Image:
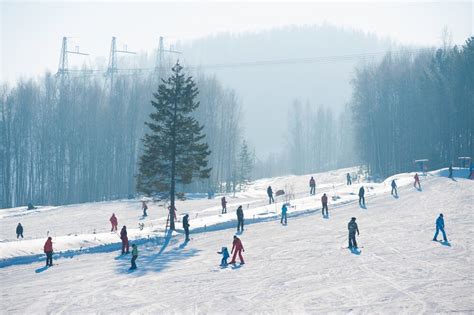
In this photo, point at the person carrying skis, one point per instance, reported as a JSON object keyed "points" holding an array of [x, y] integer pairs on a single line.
{"points": [[440, 227], [349, 179], [394, 188], [312, 186], [134, 257], [237, 248], [124, 238], [417, 181], [114, 222], [48, 250], [240, 219], [324, 201], [270, 195], [353, 228], [19, 231], [186, 227], [361, 196], [450, 170], [224, 205], [225, 255], [284, 210], [144, 208]]}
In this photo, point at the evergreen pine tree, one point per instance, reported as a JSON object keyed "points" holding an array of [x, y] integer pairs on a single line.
{"points": [[245, 164], [174, 151]]}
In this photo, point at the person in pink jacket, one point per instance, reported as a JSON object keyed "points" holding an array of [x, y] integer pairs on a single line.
{"points": [[237, 248], [114, 222]]}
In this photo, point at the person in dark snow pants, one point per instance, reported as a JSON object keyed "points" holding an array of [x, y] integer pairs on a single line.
{"points": [[284, 210], [394, 188], [144, 208], [224, 205], [324, 202], [237, 248], [353, 228], [312, 186], [19, 231], [48, 250], [440, 227], [417, 181], [450, 170], [349, 179], [124, 238], [225, 255], [134, 257], [186, 226], [361, 196], [240, 219], [270, 195]]}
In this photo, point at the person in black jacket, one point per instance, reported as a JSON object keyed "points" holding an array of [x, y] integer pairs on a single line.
{"points": [[240, 219], [270, 195], [353, 228], [361, 196], [186, 226], [19, 231]]}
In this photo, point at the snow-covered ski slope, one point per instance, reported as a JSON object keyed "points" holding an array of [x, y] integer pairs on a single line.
{"points": [[303, 267]]}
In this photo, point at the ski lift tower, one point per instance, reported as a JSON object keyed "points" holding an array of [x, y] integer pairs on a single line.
{"points": [[464, 161], [422, 165]]}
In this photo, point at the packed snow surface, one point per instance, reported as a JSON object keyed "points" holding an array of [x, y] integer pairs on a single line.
{"points": [[303, 267]]}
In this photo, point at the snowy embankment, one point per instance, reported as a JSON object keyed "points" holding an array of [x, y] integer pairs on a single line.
{"points": [[302, 267], [205, 217]]}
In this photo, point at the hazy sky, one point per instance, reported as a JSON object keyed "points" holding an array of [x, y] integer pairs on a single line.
{"points": [[31, 32]]}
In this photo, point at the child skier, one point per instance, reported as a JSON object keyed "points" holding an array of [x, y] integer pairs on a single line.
{"points": [[225, 255], [19, 231], [284, 209], [134, 257]]}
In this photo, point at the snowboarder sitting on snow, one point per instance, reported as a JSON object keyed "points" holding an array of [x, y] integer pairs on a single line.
{"points": [[224, 205], [240, 219], [394, 188], [324, 201], [417, 181], [353, 228], [361, 196], [145, 208], [349, 179], [312, 186], [124, 238], [134, 256], [48, 250], [186, 227], [440, 227], [225, 255], [237, 248], [270, 195], [19, 231], [284, 210], [113, 220]]}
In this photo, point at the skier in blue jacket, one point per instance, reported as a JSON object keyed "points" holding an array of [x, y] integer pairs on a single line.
{"points": [[440, 227], [284, 209], [225, 255]]}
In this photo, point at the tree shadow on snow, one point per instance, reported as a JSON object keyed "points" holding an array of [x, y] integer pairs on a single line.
{"points": [[152, 259]]}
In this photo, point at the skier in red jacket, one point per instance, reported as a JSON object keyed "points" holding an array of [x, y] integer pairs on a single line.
{"points": [[237, 248], [114, 222], [324, 201], [48, 250], [417, 181]]}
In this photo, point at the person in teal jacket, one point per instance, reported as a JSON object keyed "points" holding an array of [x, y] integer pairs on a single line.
{"points": [[225, 255], [284, 209], [440, 227], [134, 256]]}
